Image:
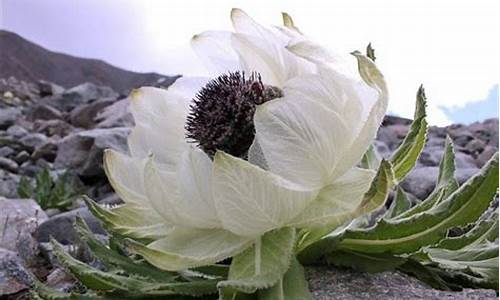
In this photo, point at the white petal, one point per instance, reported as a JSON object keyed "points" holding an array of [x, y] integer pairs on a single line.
{"points": [[215, 50], [195, 182], [373, 78], [337, 202], [251, 201], [162, 190], [183, 197], [302, 139], [187, 248], [125, 175], [160, 116], [319, 55]]}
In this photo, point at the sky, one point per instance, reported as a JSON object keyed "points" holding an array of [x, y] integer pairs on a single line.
{"points": [[449, 46]]}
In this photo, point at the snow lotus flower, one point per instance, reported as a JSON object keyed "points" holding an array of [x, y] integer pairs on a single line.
{"points": [[271, 141]]}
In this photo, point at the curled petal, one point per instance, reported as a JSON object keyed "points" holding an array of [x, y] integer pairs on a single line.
{"points": [[215, 50], [337, 202], [126, 176], [185, 248], [251, 201], [160, 116], [302, 138]]}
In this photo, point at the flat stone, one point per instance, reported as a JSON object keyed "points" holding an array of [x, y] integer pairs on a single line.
{"points": [[8, 184], [116, 115], [44, 112], [61, 226], [8, 164], [83, 151], [33, 140], [17, 131], [18, 217], [13, 276], [345, 284]]}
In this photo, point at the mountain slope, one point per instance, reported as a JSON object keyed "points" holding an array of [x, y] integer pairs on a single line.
{"points": [[27, 61]]}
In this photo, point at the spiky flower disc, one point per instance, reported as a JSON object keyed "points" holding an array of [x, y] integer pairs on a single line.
{"points": [[221, 117]]}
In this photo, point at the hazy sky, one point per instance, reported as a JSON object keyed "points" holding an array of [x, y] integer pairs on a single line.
{"points": [[449, 46]]}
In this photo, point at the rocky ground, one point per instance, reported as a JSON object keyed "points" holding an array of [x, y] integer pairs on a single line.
{"points": [[46, 127]]}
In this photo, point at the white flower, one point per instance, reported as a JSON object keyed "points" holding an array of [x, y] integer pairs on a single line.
{"points": [[301, 169]]}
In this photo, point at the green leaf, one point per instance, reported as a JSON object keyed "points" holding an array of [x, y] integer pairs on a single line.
{"points": [[475, 266], [371, 159], [427, 275], [484, 230], [312, 244], [260, 266], [106, 281], [293, 286], [410, 234], [114, 260], [365, 262], [406, 156], [24, 188], [400, 204], [446, 165]]}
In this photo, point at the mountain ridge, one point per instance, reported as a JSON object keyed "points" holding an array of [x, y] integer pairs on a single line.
{"points": [[25, 60]]}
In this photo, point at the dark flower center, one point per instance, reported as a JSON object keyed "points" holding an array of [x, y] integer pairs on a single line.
{"points": [[221, 116]]}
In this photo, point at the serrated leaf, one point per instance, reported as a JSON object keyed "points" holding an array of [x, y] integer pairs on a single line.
{"points": [[114, 259], [476, 266], [400, 204], [410, 234], [293, 286], [406, 155], [485, 230], [127, 220], [312, 244], [446, 165], [427, 275], [260, 266], [105, 281], [371, 263]]}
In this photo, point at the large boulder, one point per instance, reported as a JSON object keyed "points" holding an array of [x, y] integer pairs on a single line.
{"points": [[116, 115], [84, 114], [83, 151], [78, 95]]}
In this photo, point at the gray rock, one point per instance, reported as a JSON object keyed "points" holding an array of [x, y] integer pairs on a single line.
{"points": [[8, 116], [345, 284], [421, 181], [44, 112], [48, 88], [8, 164], [392, 135], [47, 151], [33, 140], [84, 114], [8, 184], [53, 127], [14, 277], [115, 115], [6, 151], [22, 156], [486, 155], [83, 93], [82, 151], [16, 131], [431, 156], [61, 226], [18, 217]]}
